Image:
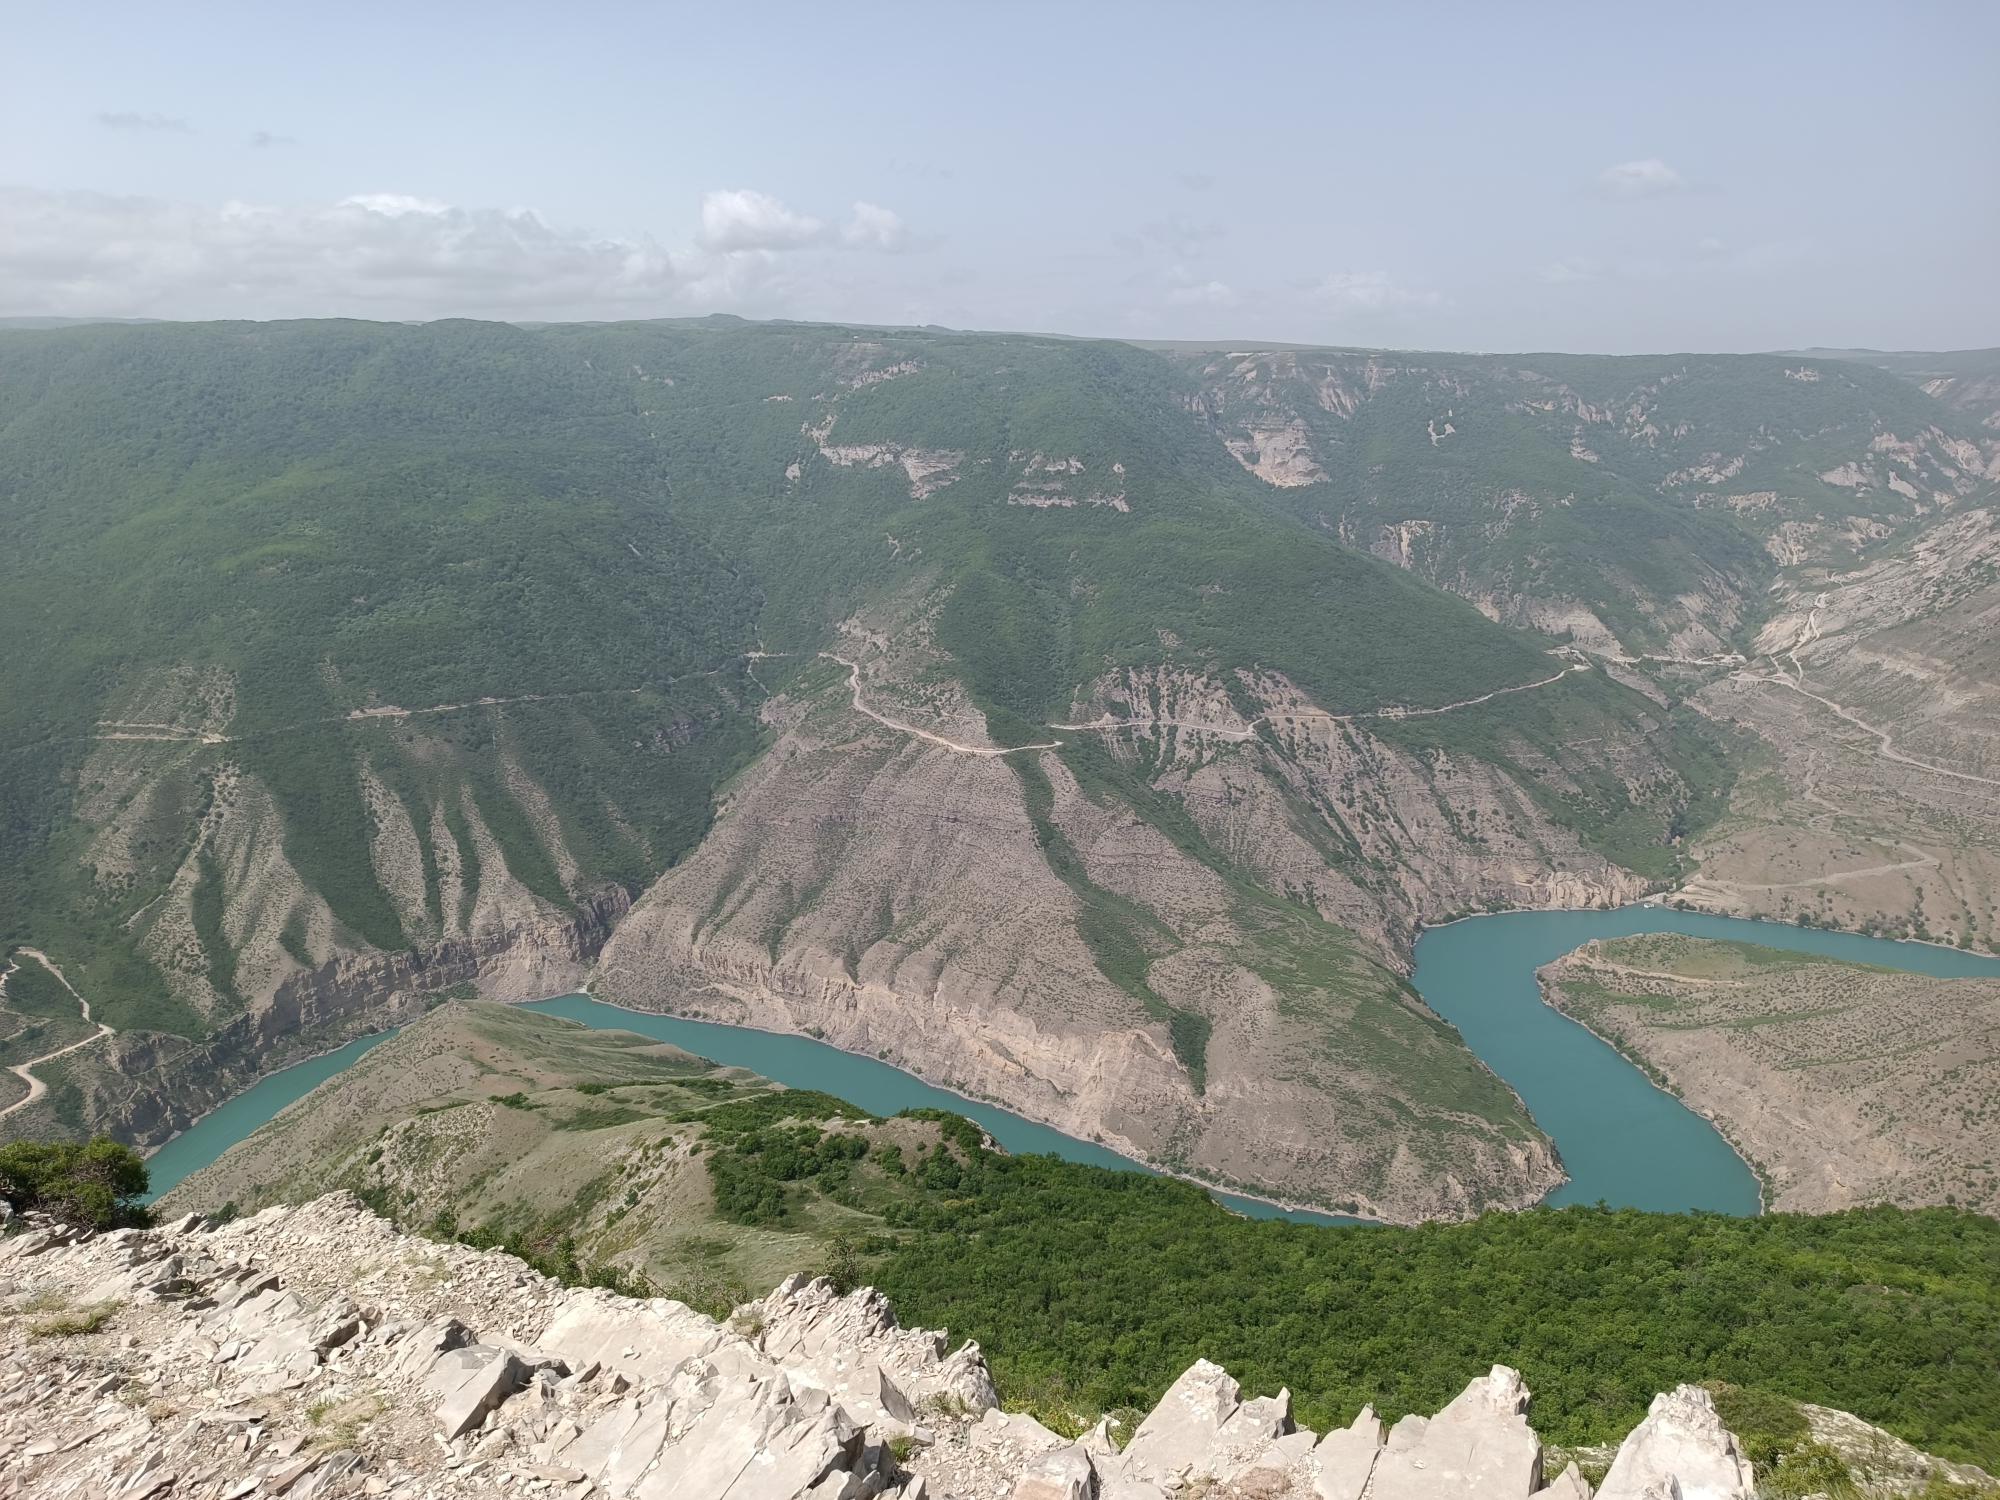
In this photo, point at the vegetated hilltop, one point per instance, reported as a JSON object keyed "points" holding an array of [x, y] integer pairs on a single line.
{"points": [[1089, 1289], [361, 661], [1965, 380], [1840, 1083], [582, 1148], [1640, 504]]}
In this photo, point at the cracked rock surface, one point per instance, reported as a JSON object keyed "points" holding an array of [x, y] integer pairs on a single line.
{"points": [[317, 1351]]}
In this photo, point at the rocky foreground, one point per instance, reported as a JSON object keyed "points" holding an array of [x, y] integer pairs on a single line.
{"points": [[317, 1351]]}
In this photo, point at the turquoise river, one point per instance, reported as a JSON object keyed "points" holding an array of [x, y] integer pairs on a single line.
{"points": [[1622, 1140]]}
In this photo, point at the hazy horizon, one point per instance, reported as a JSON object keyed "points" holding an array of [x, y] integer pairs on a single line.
{"points": [[31, 321], [1748, 179]]}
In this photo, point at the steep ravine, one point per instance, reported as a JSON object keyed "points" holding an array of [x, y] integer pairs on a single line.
{"points": [[145, 1087], [898, 900]]}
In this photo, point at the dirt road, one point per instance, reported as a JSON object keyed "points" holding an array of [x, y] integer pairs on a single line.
{"points": [[25, 1071]]}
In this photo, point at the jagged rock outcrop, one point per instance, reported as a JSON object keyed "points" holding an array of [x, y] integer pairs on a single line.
{"points": [[316, 1351], [1681, 1450], [1479, 1445]]}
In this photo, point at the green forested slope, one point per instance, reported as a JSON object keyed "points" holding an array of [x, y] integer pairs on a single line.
{"points": [[1102, 1286], [303, 520], [1660, 492], [232, 536]]}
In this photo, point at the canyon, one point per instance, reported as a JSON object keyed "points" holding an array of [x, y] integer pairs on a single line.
{"points": [[840, 697]]}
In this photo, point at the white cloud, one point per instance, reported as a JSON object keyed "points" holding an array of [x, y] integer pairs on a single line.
{"points": [[388, 254], [265, 139], [1646, 178], [739, 219], [1203, 294], [132, 119], [1572, 268], [874, 227], [395, 205], [1372, 291]]}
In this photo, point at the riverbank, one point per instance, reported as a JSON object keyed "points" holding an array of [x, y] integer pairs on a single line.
{"points": [[1623, 1139], [1841, 1084], [1664, 1084], [216, 1130], [882, 1088]]}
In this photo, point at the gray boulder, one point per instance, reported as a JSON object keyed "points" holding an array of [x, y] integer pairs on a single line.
{"points": [[803, 1320], [642, 1341], [418, 1351], [760, 1441], [1480, 1447], [471, 1381], [1012, 1436], [1681, 1450], [1343, 1460], [1065, 1474], [1202, 1428], [1568, 1485]]}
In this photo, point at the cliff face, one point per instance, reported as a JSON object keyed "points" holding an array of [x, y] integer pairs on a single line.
{"points": [[1379, 834], [145, 1087], [1019, 928], [315, 1351], [1630, 505]]}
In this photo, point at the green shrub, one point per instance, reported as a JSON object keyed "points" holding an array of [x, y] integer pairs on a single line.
{"points": [[70, 1325], [92, 1186], [1810, 1469], [1766, 1425]]}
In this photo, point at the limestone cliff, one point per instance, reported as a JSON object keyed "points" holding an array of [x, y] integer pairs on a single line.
{"points": [[146, 1087], [996, 926]]}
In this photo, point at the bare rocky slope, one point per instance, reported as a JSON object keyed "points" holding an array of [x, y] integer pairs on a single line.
{"points": [[315, 1351], [1840, 1084], [1874, 691], [489, 1117], [893, 896]]}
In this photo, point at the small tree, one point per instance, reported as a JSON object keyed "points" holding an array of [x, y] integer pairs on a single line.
{"points": [[843, 1263], [93, 1186]]}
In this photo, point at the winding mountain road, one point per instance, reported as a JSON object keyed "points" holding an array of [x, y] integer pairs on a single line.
{"points": [[1573, 663], [1885, 742], [861, 707], [25, 1071]]}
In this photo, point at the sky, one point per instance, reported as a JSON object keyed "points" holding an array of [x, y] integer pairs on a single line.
{"points": [[1598, 178]]}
